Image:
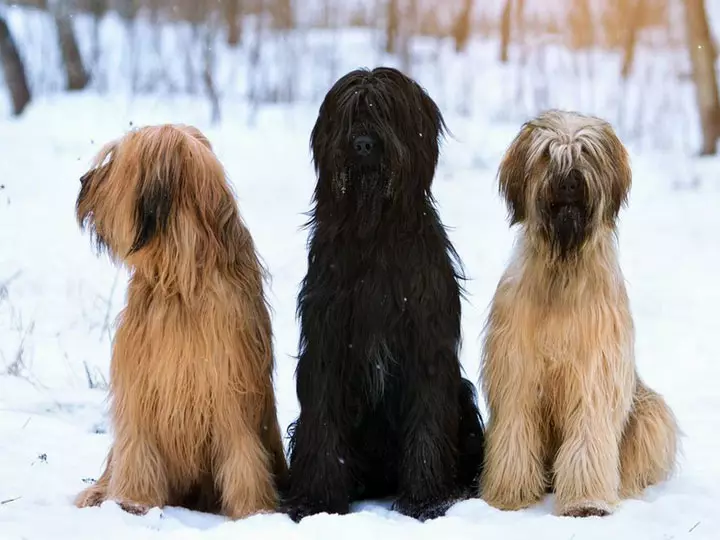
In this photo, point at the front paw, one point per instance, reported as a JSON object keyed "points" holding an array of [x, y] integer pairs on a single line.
{"points": [[586, 509], [93, 496], [300, 508], [137, 509], [423, 510]]}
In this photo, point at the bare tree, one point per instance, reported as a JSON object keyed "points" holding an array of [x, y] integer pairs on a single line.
{"points": [[76, 75], [391, 26], [407, 28], [98, 8], [13, 69], [634, 20], [232, 9], [463, 24], [209, 57], [581, 24], [505, 24], [702, 59], [282, 13]]}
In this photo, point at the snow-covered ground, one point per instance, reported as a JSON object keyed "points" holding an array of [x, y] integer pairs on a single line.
{"points": [[58, 300]]}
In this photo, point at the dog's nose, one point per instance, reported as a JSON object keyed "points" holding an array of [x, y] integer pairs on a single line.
{"points": [[363, 145], [569, 185], [570, 188]]}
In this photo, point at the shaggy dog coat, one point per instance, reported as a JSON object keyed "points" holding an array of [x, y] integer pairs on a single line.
{"points": [[568, 411], [193, 408], [384, 410]]}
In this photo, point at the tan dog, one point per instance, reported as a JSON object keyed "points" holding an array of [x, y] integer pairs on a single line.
{"points": [[567, 409], [193, 407]]}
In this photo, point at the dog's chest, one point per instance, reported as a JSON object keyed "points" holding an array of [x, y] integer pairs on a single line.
{"points": [[379, 366]]}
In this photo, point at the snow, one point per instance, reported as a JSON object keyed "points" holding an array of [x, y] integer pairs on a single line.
{"points": [[58, 300]]}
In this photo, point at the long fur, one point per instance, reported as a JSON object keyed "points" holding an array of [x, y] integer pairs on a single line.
{"points": [[568, 411], [384, 410], [192, 401]]}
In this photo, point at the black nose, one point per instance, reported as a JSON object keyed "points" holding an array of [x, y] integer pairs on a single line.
{"points": [[570, 188], [569, 185], [363, 145]]}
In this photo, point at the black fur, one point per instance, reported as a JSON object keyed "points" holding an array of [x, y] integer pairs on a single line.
{"points": [[152, 211], [152, 214], [384, 410], [566, 216]]}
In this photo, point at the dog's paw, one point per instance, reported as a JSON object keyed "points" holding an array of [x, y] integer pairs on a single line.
{"points": [[586, 509], [423, 510], [299, 509], [92, 496], [137, 509]]}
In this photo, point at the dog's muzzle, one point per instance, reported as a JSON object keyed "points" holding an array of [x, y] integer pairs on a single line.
{"points": [[366, 149], [568, 212]]}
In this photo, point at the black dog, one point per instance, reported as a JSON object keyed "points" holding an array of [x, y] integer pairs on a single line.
{"points": [[384, 409]]}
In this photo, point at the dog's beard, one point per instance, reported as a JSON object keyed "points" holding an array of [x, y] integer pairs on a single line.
{"points": [[567, 228], [363, 191]]}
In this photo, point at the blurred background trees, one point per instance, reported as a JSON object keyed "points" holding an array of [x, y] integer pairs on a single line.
{"points": [[703, 55], [13, 70], [281, 51]]}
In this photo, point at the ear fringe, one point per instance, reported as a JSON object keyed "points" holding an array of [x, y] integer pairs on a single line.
{"points": [[512, 172], [618, 167], [153, 176]]}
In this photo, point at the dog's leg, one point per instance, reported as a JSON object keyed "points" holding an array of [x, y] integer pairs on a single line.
{"points": [[320, 456], [139, 477], [320, 453], [471, 444], [319, 475], [649, 444], [272, 441], [96, 494], [243, 475], [514, 475], [592, 415], [429, 422]]}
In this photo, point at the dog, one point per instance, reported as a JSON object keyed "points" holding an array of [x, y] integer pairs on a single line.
{"points": [[192, 400], [384, 410], [568, 411]]}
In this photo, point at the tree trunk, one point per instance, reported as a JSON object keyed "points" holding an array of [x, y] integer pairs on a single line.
{"points": [[631, 31], [391, 31], [98, 8], [703, 69], [232, 11], [77, 77], [209, 65], [406, 30], [461, 32], [283, 16], [14, 70], [505, 31]]}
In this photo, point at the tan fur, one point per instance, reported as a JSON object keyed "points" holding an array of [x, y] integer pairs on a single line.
{"points": [[568, 411], [193, 407]]}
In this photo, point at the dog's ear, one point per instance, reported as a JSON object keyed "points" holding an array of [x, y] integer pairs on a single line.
{"points": [[153, 207], [100, 168], [620, 174], [432, 119], [512, 174]]}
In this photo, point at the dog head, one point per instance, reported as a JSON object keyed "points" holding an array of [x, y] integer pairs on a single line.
{"points": [[158, 194], [377, 135], [565, 176]]}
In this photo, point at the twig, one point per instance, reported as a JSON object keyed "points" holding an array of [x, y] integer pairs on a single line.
{"points": [[693, 527], [4, 285], [6, 501], [106, 320]]}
